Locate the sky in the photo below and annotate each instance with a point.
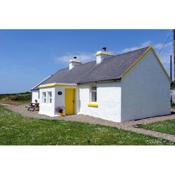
(29, 56)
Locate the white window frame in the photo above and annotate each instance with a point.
(38, 95)
(44, 97)
(49, 97)
(93, 90)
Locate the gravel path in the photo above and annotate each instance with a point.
(151, 133)
(128, 126)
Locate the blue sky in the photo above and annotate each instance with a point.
(28, 56)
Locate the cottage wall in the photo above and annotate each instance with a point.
(35, 96)
(108, 100)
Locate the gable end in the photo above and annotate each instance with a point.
(150, 49)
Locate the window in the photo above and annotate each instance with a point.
(49, 97)
(44, 97)
(94, 94)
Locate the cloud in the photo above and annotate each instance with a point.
(136, 47)
(164, 51)
(157, 46)
(162, 45)
(82, 56)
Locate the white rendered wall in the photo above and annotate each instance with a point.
(145, 90)
(108, 99)
(35, 96)
(47, 108)
(60, 99)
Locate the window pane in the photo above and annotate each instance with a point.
(94, 97)
(49, 94)
(94, 88)
(94, 94)
(49, 97)
(44, 97)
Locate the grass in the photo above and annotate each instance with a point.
(18, 130)
(167, 126)
(16, 99)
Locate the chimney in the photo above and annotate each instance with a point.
(100, 55)
(73, 62)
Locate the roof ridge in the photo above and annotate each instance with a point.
(132, 51)
(118, 54)
(86, 63)
(106, 58)
(59, 70)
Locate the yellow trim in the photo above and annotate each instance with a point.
(47, 85)
(55, 84)
(134, 63)
(140, 58)
(93, 104)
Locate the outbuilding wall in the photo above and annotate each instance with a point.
(57, 100)
(47, 108)
(35, 96)
(145, 90)
(108, 99)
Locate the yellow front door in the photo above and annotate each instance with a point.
(69, 101)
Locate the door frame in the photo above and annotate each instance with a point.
(74, 91)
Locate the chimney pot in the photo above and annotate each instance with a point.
(102, 54)
(73, 62)
(104, 49)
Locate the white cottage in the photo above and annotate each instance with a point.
(122, 87)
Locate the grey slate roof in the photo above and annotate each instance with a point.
(111, 68)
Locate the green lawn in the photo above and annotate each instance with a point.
(167, 126)
(18, 130)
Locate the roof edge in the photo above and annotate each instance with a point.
(134, 63)
(36, 86)
(55, 84)
(161, 65)
(101, 81)
(150, 48)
